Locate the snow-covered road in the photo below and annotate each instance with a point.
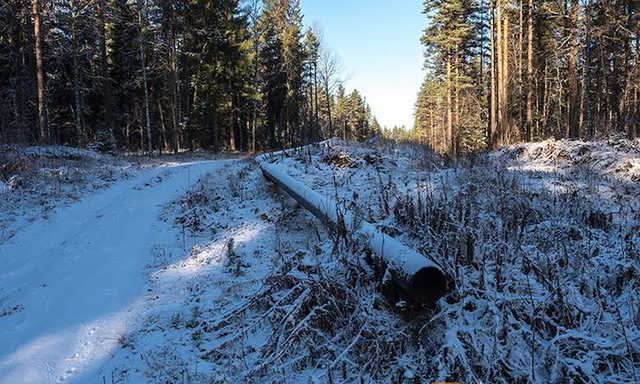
(75, 281)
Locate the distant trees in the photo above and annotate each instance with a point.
(330, 83)
(167, 75)
(353, 118)
(504, 71)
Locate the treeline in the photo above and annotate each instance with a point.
(167, 75)
(506, 71)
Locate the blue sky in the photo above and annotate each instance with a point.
(378, 43)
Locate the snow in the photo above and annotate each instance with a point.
(195, 280)
(57, 151)
(78, 278)
(616, 158)
(42, 179)
(542, 240)
(234, 282)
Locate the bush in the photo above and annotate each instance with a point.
(105, 142)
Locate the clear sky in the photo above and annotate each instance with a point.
(378, 42)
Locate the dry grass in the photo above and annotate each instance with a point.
(545, 280)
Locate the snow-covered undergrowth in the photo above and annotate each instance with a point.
(542, 241)
(34, 180)
(264, 293)
(617, 158)
(547, 270)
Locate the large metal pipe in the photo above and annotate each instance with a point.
(420, 278)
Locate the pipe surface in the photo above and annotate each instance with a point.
(419, 277)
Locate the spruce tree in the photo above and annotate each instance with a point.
(166, 75)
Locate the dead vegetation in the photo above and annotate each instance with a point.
(545, 262)
(324, 319)
(545, 267)
(544, 280)
(339, 159)
(34, 180)
(617, 157)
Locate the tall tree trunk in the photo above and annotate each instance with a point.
(560, 119)
(42, 102)
(316, 126)
(163, 129)
(449, 109)
(141, 130)
(505, 97)
(573, 91)
(455, 135)
(585, 95)
(530, 80)
(242, 132)
(106, 106)
(521, 60)
(254, 101)
(431, 130)
(544, 124)
(147, 112)
(328, 100)
(143, 9)
(77, 95)
(175, 87)
(233, 138)
(626, 110)
(499, 131)
(493, 120)
(21, 132)
(194, 100)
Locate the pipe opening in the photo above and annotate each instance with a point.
(429, 284)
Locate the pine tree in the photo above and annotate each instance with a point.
(556, 69)
(312, 55)
(272, 76)
(450, 40)
(165, 75)
(428, 112)
(40, 76)
(293, 55)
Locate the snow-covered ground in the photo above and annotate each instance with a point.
(34, 181)
(236, 283)
(71, 283)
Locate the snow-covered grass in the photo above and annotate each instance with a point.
(71, 284)
(542, 241)
(615, 158)
(547, 270)
(35, 180)
(263, 293)
(235, 231)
